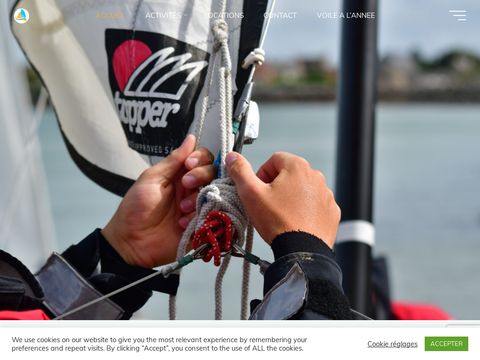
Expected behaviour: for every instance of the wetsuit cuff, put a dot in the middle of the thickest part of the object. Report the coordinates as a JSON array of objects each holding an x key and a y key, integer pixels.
[
  {"x": 112, "y": 262},
  {"x": 85, "y": 256},
  {"x": 299, "y": 241}
]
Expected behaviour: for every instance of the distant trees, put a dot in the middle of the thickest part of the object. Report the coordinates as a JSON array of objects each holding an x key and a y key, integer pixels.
[{"x": 452, "y": 61}]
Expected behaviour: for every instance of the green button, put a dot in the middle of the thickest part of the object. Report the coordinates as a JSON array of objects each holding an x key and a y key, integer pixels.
[{"x": 446, "y": 343}]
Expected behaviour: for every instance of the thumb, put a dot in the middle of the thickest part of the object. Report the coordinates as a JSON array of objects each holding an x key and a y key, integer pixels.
[
  {"x": 242, "y": 174},
  {"x": 173, "y": 163}
]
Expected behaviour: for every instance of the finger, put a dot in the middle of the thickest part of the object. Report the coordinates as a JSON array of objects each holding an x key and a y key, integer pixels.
[
  {"x": 242, "y": 174},
  {"x": 279, "y": 161},
  {"x": 185, "y": 220},
  {"x": 189, "y": 204},
  {"x": 198, "y": 158},
  {"x": 174, "y": 162},
  {"x": 199, "y": 176}
]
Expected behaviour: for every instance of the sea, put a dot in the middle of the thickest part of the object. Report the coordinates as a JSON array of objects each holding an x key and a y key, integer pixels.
[{"x": 426, "y": 205}]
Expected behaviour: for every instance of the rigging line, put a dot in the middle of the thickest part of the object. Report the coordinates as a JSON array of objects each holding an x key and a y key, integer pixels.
[
  {"x": 136, "y": 10},
  {"x": 249, "y": 227},
  {"x": 266, "y": 27},
  {"x": 106, "y": 296},
  {"x": 165, "y": 271},
  {"x": 267, "y": 23}
]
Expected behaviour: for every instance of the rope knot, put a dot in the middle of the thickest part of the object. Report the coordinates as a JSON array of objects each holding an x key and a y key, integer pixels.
[
  {"x": 220, "y": 221},
  {"x": 256, "y": 56},
  {"x": 218, "y": 231},
  {"x": 220, "y": 31},
  {"x": 212, "y": 193}
]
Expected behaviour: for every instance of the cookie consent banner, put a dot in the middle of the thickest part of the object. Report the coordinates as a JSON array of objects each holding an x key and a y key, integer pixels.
[{"x": 238, "y": 340}]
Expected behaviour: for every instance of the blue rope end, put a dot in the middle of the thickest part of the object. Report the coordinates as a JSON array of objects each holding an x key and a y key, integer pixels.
[{"x": 217, "y": 164}]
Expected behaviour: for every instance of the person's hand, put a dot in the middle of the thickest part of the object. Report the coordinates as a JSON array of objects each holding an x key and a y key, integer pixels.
[
  {"x": 286, "y": 194},
  {"x": 151, "y": 218}
]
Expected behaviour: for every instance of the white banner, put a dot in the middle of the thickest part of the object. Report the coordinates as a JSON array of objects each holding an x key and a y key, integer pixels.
[{"x": 238, "y": 340}]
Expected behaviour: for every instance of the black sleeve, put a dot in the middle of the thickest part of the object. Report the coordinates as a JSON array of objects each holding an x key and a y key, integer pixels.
[
  {"x": 325, "y": 298},
  {"x": 115, "y": 272}
]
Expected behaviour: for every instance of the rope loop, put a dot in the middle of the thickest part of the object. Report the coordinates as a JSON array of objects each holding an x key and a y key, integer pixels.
[
  {"x": 255, "y": 57},
  {"x": 220, "y": 36},
  {"x": 212, "y": 193},
  {"x": 221, "y": 195},
  {"x": 217, "y": 230},
  {"x": 220, "y": 32}
]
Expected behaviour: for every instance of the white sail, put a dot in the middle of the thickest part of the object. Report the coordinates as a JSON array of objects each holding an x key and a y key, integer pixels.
[
  {"x": 127, "y": 85},
  {"x": 26, "y": 227}
]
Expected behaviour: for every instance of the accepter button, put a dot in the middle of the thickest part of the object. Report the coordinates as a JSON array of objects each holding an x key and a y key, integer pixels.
[{"x": 446, "y": 343}]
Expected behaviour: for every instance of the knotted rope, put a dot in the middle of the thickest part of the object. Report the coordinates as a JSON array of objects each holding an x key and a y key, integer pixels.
[
  {"x": 255, "y": 57},
  {"x": 217, "y": 231},
  {"x": 221, "y": 196},
  {"x": 219, "y": 199}
]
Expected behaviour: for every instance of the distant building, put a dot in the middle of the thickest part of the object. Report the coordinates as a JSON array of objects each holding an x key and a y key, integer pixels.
[
  {"x": 396, "y": 73},
  {"x": 266, "y": 74},
  {"x": 452, "y": 76},
  {"x": 300, "y": 71}
]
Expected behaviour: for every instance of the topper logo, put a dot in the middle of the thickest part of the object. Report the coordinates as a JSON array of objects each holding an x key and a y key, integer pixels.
[
  {"x": 155, "y": 82},
  {"x": 146, "y": 75},
  {"x": 139, "y": 114},
  {"x": 158, "y": 62}
]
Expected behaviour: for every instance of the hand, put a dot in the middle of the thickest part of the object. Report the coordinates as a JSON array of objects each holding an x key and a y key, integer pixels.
[
  {"x": 286, "y": 194},
  {"x": 148, "y": 224}
]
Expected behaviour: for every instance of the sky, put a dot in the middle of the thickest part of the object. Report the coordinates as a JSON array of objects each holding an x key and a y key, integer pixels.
[{"x": 404, "y": 25}]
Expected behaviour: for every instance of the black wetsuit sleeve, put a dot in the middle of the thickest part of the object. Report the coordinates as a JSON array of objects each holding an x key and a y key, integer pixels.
[
  {"x": 115, "y": 272},
  {"x": 325, "y": 298},
  {"x": 112, "y": 262}
]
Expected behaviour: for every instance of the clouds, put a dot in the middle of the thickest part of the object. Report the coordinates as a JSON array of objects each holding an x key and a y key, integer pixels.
[{"x": 404, "y": 25}]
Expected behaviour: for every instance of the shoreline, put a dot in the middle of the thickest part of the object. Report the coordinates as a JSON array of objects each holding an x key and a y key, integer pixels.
[{"x": 294, "y": 94}]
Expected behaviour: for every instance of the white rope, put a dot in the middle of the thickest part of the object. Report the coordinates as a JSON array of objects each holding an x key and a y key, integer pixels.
[
  {"x": 172, "y": 306},
  {"x": 221, "y": 193},
  {"x": 246, "y": 274},
  {"x": 255, "y": 57}
]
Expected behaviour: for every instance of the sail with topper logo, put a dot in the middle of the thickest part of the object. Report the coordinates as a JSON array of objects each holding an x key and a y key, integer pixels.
[
  {"x": 127, "y": 78},
  {"x": 154, "y": 81}
]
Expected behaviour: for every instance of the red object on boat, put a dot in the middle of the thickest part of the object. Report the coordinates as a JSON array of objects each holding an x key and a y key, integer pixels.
[
  {"x": 217, "y": 230},
  {"x": 410, "y": 311},
  {"x": 23, "y": 315}
]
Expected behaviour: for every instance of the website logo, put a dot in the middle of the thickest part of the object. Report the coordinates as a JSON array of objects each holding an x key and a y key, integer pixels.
[
  {"x": 21, "y": 15},
  {"x": 155, "y": 82}
]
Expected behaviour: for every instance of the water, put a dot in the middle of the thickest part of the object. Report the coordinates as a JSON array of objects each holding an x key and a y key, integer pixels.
[{"x": 427, "y": 201}]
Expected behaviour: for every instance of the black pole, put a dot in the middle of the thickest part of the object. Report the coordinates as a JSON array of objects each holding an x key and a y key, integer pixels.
[{"x": 355, "y": 149}]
